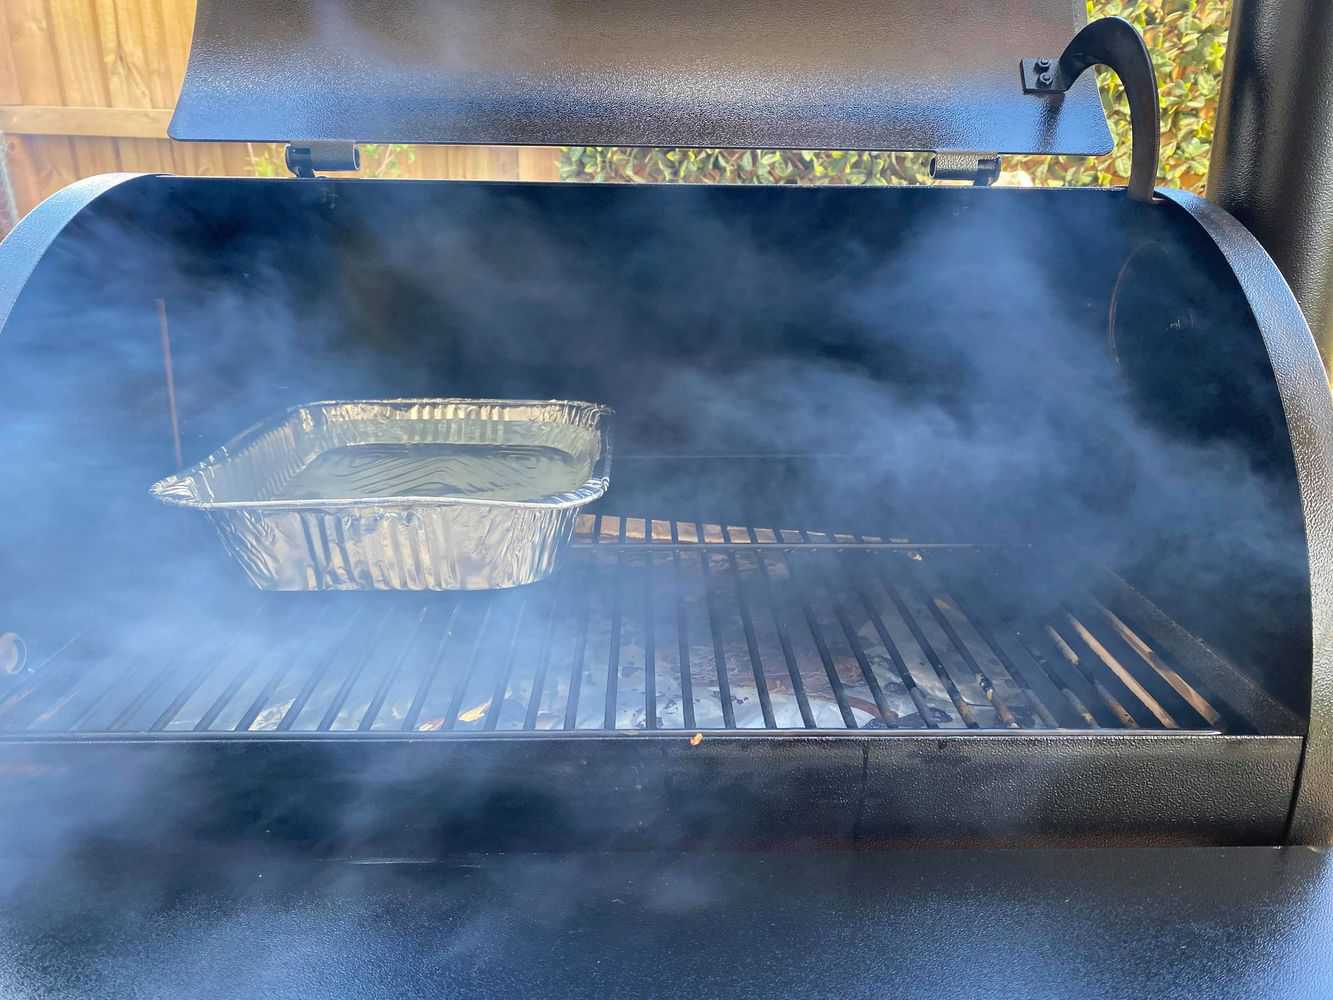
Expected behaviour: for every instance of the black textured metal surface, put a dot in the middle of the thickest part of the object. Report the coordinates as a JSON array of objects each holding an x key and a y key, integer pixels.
[
  {"x": 170, "y": 237},
  {"x": 1272, "y": 160},
  {"x": 27, "y": 243},
  {"x": 649, "y": 257},
  {"x": 358, "y": 794},
  {"x": 906, "y": 75},
  {"x": 1201, "y": 924},
  {"x": 1309, "y": 411}
]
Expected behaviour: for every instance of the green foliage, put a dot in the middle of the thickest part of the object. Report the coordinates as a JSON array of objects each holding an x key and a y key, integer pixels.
[
  {"x": 377, "y": 160},
  {"x": 386, "y": 160},
  {"x": 740, "y": 166},
  {"x": 1188, "y": 42},
  {"x": 265, "y": 160}
]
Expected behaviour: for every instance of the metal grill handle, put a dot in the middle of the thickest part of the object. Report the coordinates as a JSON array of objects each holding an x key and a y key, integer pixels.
[{"x": 1115, "y": 43}]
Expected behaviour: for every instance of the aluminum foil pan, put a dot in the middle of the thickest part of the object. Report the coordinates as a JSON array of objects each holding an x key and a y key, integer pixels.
[{"x": 402, "y": 494}]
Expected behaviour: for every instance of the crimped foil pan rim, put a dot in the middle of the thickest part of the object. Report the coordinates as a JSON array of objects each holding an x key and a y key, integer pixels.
[{"x": 593, "y": 489}]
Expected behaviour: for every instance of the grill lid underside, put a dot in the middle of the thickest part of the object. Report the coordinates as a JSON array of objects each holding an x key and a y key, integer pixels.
[{"x": 893, "y": 75}]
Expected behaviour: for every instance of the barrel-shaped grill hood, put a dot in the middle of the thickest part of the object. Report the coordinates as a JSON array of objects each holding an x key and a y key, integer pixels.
[{"x": 1146, "y": 380}]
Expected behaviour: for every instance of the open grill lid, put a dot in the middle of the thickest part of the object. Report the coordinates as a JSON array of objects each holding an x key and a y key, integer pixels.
[{"x": 854, "y": 74}]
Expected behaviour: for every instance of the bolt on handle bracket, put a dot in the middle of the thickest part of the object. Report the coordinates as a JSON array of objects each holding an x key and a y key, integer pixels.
[{"x": 1115, "y": 43}]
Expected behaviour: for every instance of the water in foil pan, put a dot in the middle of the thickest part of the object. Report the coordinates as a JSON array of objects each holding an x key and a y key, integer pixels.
[{"x": 402, "y": 494}]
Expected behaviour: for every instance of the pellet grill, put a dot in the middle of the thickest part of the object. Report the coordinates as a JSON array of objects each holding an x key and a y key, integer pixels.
[{"x": 944, "y": 516}]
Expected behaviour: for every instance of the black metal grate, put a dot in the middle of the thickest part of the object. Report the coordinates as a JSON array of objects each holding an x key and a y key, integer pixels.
[{"x": 654, "y": 625}]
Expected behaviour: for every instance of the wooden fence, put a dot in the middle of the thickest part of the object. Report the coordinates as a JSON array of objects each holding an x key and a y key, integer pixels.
[{"x": 87, "y": 87}]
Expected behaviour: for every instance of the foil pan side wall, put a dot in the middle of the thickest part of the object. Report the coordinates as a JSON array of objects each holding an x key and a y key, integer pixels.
[
  {"x": 255, "y": 466},
  {"x": 263, "y": 465},
  {"x": 577, "y": 429},
  {"x": 392, "y": 543},
  {"x": 439, "y": 548}
]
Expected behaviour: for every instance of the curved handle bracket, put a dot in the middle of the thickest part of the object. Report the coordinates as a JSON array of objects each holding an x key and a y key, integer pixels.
[{"x": 1115, "y": 43}]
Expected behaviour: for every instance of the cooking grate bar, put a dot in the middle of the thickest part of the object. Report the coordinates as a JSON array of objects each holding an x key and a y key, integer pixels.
[
  {"x": 975, "y": 711},
  {"x": 361, "y": 658},
  {"x": 391, "y": 676},
  {"x": 805, "y": 589},
  {"x": 95, "y": 707},
  {"x": 580, "y": 645},
  {"x": 557, "y": 605},
  {"x": 682, "y": 637},
  {"x": 886, "y": 711},
  {"x": 412, "y": 717},
  {"x": 1177, "y": 707},
  {"x": 781, "y": 615},
  {"x": 929, "y": 705},
  {"x": 1064, "y": 631},
  {"x": 1013, "y": 705},
  {"x": 719, "y": 651},
  {"x": 341, "y": 641},
  {"x": 613, "y": 656},
  {"x": 279, "y": 655},
  {"x": 209, "y": 667},
  {"x": 460, "y": 688},
  {"x": 156, "y": 682},
  {"x": 495, "y": 706},
  {"x": 654, "y": 626},
  {"x": 1054, "y": 704},
  {"x": 81, "y": 699},
  {"x": 1196, "y": 701},
  {"x": 1046, "y": 645},
  {"x": 649, "y": 649},
  {"x": 37, "y": 683},
  {"x": 751, "y": 643}
]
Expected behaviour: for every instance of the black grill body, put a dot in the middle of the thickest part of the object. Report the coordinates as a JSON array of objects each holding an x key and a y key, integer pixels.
[{"x": 939, "y": 516}]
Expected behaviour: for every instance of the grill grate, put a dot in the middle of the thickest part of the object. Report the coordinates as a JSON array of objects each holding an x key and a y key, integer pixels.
[{"x": 655, "y": 625}]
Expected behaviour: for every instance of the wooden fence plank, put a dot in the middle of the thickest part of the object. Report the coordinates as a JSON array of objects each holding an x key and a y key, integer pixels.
[
  {"x": 44, "y": 165},
  {"x": 9, "y": 76},
  {"x": 499, "y": 163},
  {"x": 236, "y": 159},
  {"x": 430, "y": 162},
  {"x": 29, "y": 31},
  {"x": 538, "y": 163},
  {"x": 95, "y": 155},
  {"x": 176, "y": 18},
  {"x": 43, "y": 119},
  {"x": 178, "y": 27},
  {"x": 86, "y": 86},
  {"x": 157, "y": 65},
  {"x": 36, "y": 167},
  {"x": 198, "y": 159},
  {"x": 24, "y": 174},
  {"x": 78, "y": 53},
  {"x": 145, "y": 156},
  {"x": 480, "y": 163},
  {"x": 124, "y": 60},
  {"x": 183, "y": 160},
  {"x": 212, "y": 154}
]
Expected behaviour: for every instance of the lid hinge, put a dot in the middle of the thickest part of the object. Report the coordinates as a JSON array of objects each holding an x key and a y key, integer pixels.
[
  {"x": 981, "y": 169},
  {"x": 304, "y": 158}
]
